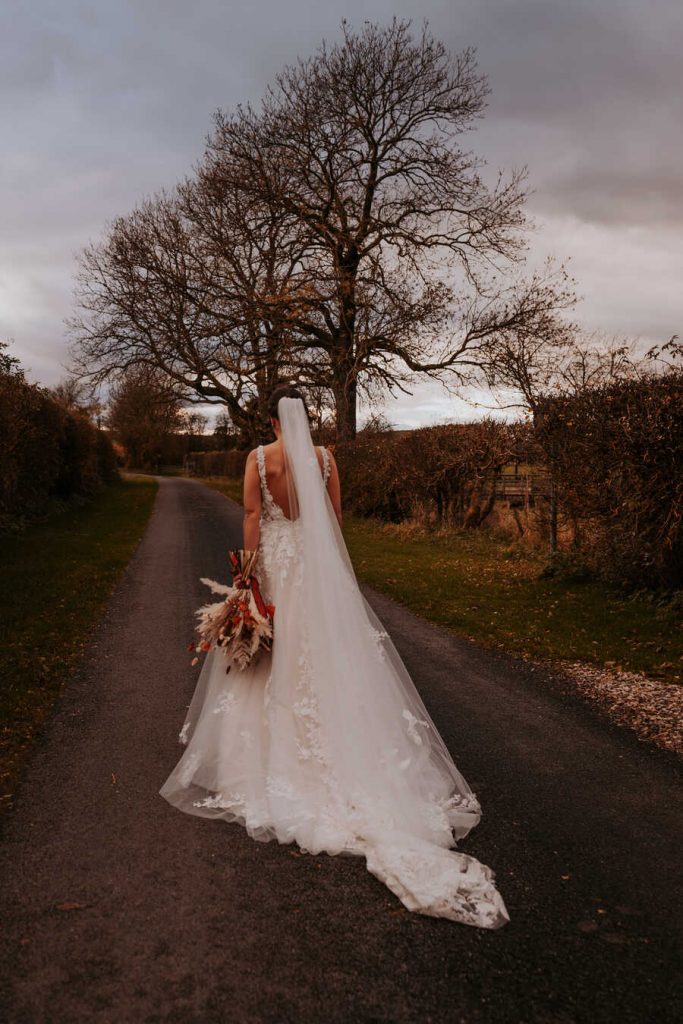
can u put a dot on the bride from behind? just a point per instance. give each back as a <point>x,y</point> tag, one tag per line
<point>325,741</point>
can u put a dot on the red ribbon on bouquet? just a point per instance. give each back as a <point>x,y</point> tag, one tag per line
<point>249,583</point>
<point>242,624</point>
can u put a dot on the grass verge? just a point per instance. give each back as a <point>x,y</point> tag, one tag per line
<point>230,488</point>
<point>55,580</point>
<point>491,592</point>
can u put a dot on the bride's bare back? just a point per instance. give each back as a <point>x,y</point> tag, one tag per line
<point>276,480</point>
<point>276,476</point>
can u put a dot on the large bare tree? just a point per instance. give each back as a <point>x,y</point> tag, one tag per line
<point>339,234</point>
<point>361,145</point>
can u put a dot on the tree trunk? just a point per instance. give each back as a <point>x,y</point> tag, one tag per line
<point>345,384</point>
<point>553,518</point>
<point>345,397</point>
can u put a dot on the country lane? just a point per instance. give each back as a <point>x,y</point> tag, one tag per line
<point>118,908</point>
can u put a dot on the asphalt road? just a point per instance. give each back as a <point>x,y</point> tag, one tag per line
<point>117,907</point>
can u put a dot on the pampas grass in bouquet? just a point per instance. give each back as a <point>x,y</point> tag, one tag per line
<point>241,625</point>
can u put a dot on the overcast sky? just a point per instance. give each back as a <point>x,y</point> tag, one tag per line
<point>104,102</point>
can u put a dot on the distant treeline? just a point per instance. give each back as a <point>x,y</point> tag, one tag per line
<point>47,451</point>
<point>604,472</point>
<point>227,463</point>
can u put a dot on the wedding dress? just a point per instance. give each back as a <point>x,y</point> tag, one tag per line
<point>325,742</point>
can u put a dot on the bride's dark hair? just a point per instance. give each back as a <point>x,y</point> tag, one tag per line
<point>283,391</point>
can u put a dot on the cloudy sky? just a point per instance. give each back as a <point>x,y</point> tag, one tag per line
<point>103,102</point>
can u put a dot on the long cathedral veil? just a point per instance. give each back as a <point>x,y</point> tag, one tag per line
<point>394,779</point>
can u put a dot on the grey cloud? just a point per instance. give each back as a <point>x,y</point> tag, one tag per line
<point>589,96</point>
<point>102,103</point>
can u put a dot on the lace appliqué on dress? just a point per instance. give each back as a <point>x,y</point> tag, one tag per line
<point>280,537</point>
<point>227,702</point>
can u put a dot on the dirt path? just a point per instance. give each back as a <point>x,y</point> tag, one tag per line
<point>116,907</point>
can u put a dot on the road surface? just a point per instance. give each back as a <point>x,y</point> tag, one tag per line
<point>118,908</point>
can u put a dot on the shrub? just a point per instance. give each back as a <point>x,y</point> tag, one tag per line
<point>446,474</point>
<point>616,458</point>
<point>46,450</point>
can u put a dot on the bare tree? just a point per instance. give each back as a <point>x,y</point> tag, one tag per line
<point>224,434</point>
<point>192,283</point>
<point>193,422</point>
<point>523,368</point>
<point>360,145</point>
<point>74,395</point>
<point>340,234</point>
<point>146,298</point>
<point>144,410</point>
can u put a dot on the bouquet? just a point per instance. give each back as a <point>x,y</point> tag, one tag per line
<point>241,625</point>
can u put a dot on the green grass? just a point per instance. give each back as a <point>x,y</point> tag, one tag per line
<point>491,591</point>
<point>55,580</point>
<point>230,488</point>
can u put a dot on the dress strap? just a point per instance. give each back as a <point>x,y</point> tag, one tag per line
<point>261,460</point>
<point>326,465</point>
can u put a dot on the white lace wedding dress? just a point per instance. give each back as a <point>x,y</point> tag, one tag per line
<point>332,748</point>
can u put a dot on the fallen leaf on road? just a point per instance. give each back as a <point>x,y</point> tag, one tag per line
<point>615,938</point>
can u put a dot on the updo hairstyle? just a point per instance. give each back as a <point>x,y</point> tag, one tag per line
<point>284,391</point>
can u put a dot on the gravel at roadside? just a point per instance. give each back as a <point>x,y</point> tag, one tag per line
<point>651,708</point>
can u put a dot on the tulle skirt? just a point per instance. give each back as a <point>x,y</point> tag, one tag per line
<point>325,743</point>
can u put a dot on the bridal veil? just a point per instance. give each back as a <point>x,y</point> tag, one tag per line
<point>394,788</point>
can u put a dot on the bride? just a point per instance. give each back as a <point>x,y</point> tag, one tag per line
<point>325,741</point>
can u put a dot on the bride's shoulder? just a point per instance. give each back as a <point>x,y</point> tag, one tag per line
<point>328,465</point>
<point>325,451</point>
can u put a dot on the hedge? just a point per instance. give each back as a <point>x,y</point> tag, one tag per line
<point>46,451</point>
<point>616,456</point>
<point>444,474</point>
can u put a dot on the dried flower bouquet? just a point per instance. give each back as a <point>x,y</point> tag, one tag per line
<point>241,625</point>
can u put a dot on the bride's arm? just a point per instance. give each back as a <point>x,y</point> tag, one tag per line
<point>252,503</point>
